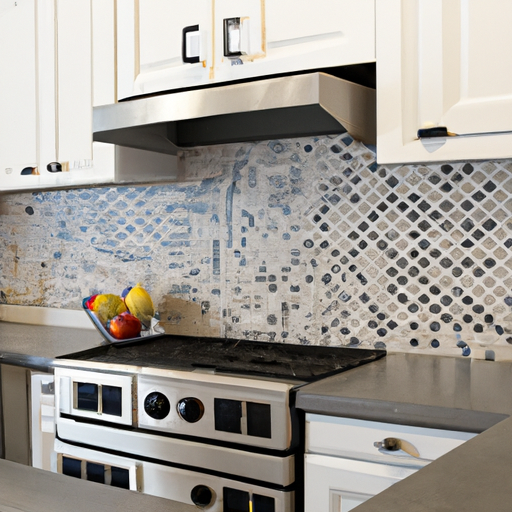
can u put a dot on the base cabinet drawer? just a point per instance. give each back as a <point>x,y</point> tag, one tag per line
<point>379,442</point>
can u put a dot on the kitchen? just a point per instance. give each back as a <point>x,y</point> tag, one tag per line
<point>309,240</point>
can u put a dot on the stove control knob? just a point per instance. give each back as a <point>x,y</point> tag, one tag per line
<point>201,496</point>
<point>157,405</point>
<point>190,409</point>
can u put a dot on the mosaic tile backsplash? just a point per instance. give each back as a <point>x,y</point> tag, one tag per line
<point>298,241</point>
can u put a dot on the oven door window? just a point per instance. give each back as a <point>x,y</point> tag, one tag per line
<point>87,396</point>
<point>96,472</point>
<point>246,418</point>
<point>111,399</point>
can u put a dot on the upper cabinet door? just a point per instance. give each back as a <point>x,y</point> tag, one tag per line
<point>165,46</point>
<point>282,36</point>
<point>153,37</point>
<point>443,63</point>
<point>19,102</point>
<point>46,85</point>
<point>74,78</point>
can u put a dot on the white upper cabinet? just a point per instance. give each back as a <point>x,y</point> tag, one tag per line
<point>58,61</point>
<point>443,63</point>
<point>282,36</point>
<point>18,82</point>
<point>166,45</point>
<point>153,36</point>
<point>46,85</point>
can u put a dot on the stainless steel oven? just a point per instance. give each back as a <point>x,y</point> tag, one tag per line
<point>202,421</point>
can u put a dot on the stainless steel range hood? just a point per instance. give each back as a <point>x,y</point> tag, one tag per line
<point>292,106</point>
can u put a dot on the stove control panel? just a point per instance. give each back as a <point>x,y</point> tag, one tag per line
<point>224,408</point>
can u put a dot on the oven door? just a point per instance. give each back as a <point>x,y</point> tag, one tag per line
<point>100,467</point>
<point>95,395</point>
<point>206,491</point>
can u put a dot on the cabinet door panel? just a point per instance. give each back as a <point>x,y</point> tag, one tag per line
<point>484,101</point>
<point>335,484</point>
<point>103,52</point>
<point>440,63</point>
<point>74,83</point>
<point>467,85</point>
<point>342,32</point>
<point>150,45</point>
<point>18,80</point>
<point>46,120</point>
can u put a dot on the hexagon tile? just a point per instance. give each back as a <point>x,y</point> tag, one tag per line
<point>299,241</point>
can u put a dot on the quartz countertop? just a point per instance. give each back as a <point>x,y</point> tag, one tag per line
<point>420,390</point>
<point>36,346</point>
<point>27,489</point>
<point>438,392</point>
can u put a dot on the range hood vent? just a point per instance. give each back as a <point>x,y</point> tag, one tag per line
<point>293,106</point>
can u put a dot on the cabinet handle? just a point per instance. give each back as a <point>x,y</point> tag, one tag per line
<point>28,171</point>
<point>436,131</point>
<point>393,444</point>
<point>192,59</point>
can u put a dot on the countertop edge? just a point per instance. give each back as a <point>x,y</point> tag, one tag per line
<point>36,363</point>
<point>399,413</point>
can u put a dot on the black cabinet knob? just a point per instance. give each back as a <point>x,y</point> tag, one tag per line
<point>201,496</point>
<point>157,405</point>
<point>191,409</point>
<point>54,167</point>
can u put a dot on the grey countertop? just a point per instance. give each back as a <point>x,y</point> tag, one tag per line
<point>35,346</point>
<point>27,489</point>
<point>420,390</point>
<point>439,392</point>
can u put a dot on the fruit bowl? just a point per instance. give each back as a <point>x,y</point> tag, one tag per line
<point>154,332</point>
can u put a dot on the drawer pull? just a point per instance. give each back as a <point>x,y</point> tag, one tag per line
<point>393,444</point>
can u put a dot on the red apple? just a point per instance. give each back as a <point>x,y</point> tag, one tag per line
<point>125,326</point>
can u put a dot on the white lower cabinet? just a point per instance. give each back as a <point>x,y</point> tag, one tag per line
<point>348,461</point>
<point>335,484</point>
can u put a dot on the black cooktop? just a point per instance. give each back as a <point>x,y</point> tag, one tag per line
<point>252,358</point>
